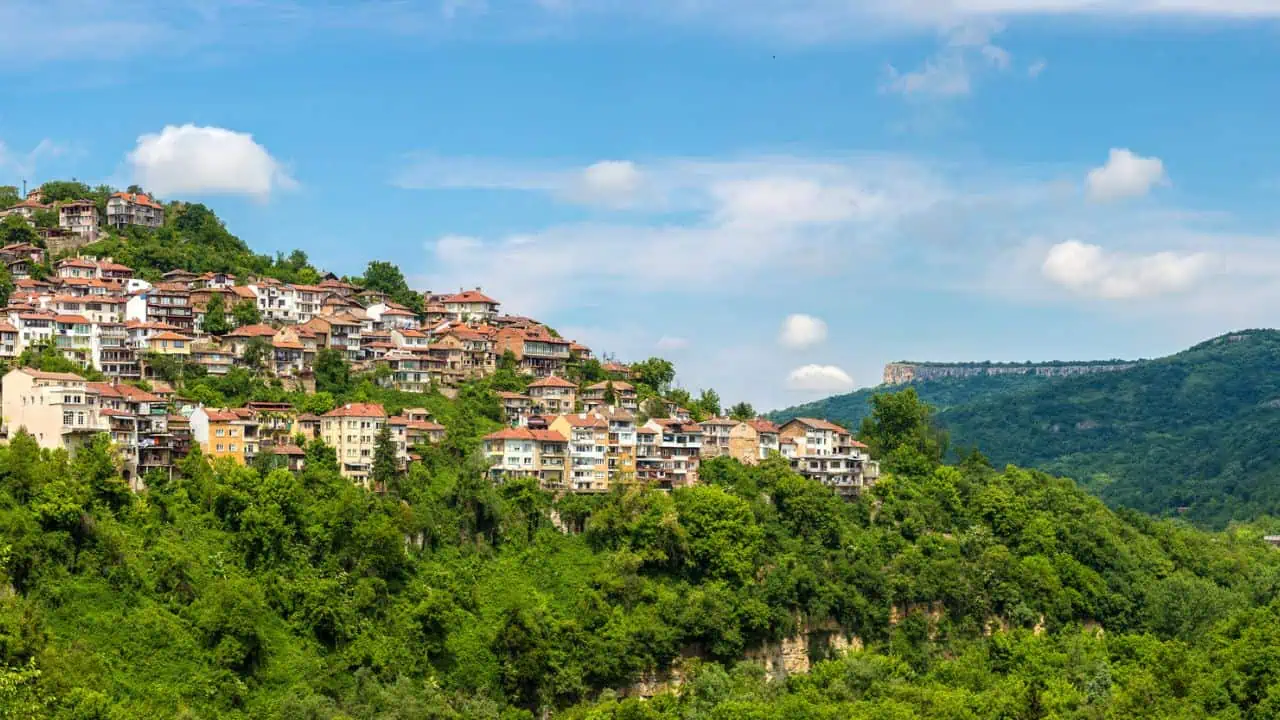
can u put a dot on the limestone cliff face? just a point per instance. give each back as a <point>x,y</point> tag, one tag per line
<point>903,372</point>
<point>792,655</point>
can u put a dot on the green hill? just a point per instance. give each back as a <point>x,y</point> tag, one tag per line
<point>230,592</point>
<point>1196,430</point>
<point>849,409</point>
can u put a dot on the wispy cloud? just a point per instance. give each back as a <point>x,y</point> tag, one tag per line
<point>25,163</point>
<point>966,52</point>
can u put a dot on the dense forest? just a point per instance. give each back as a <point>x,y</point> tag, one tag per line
<point>1190,434</point>
<point>233,592</point>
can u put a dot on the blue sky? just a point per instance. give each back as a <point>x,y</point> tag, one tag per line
<point>780,196</point>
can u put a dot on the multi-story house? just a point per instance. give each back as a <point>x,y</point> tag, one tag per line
<point>716,433</point>
<point>217,281</point>
<point>345,334</point>
<point>352,431</point>
<point>624,395</point>
<point>139,425</point>
<point>536,353</point>
<point>478,359</point>
<point>310,300</point>
<point>753,441</point>
<point>390,316</point>
<point>73,336</point>
<point>287,355</point>
<point>77,267</point>
<point>277,302</point>
<point>553,396</point>
<point>240,338</point>
<point>827,453</point>
<point>424,431</point>
<point>164,303</point>
<point>678,445</point>
<point>516,408</point>
<point>169,343</point>
<point>220,433</point>
<point>622,445</point>
<point>275,422</point>
<point>588,435</point>
<point>34,327</point>
<point>57,409</point>
<point>525,453</point>
<point>410,371</point>
<point>134,209</point>
<point>470,306</point>
<point>8,341</point>
<point>81,218</point>
<point>26,209</point>
<point>212,356</point>
<point>409,338</point>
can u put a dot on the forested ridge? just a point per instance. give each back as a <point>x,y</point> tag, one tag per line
<point>1191,434</point>
<point>976,592</point>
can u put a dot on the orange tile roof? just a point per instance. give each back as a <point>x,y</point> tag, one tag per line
<point>71,320</point>
<point>138,199</point>
<point>221,415</point>
<point>166,335</point>
<point>42,375</point>
<point>358,410</point>
<point>286,344</point>
<point>553,381</point>
<point>763,426</point>
<point>470,296</point>
<point>259,330</point>
<point>77,262</point>
<point>819,424</point>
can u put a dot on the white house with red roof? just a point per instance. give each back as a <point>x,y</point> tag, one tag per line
<point>470,306</point>
<point>134,209</point>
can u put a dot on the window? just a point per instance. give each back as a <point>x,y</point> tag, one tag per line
<point>221,432</point>
<point>233,447</point>
<point>68,418</point>
<point>220,447</point>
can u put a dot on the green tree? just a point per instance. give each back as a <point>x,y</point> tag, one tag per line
<point>610,396</point>
<point>709,403</point>
<point>742,411</point>
<point>902,425</point>
<point>333,373</point>
<point>9,196</point>
<point>215,320</point>
<point>13,229</point>
<point>257,354</point>
<point>386,462</point>
<point>655,372</point>
<point>386,277</point>
<point>6,286</point>
<point>55,191</point>
<point>246,312</point>
<point>45,218</point>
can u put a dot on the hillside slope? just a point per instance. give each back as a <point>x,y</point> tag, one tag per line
<point>1196,430</point>
<point>849,409</point>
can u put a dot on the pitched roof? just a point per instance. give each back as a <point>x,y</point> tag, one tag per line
<point>221,415</point>
<point>763,426</point>
<point>77,262</point>
<point>585,420</point>
<point>138,199</point>
<point>817,424</point>
<point>618,385</point>
<point>358,410</point>
<point>719,421</point>
<point>289,450</point>
<point>259,330</point>
<point>506,395</point>
<point>286,344</point>
<point>553,381</point>
<point>470,296</point>
<point>527,434</point>
<point>425,425</point>
<point>42,375</point>
<point>167,335</point>
<point>71,320</point>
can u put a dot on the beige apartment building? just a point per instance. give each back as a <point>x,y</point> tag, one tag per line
<point>553,396</point>
<point>588,435</point>
<point>352,431</point>
<point>59,409</point>
<point>525,453</point>
<point>825,452</point>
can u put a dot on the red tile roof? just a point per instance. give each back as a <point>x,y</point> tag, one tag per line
<point>289,450</point>
<point>77,262</point>
<point>259,330</point>
<point>553,381</point>
<point>358,410</point>
<point>166,335</point>
<point>221,415</point>
<point>763,426</point>
<point>138,199</point>
<point>817,424</point>
<point>42,375</point>
<point>470,296</point>
<point>71,320</point>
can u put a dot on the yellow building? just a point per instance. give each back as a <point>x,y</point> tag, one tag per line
<point>220,433</point>
<point>352,431</point>
<point>588,435</point>
<point>169,343</point>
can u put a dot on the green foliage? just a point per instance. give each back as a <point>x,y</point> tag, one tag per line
<point>333,372</point>
<point>742,412</point>
<point>9,196</point>
<point>246,312</point>
<point>655,373</point>
<point>45,218</point>
<point>13,229</point>
<point>901,431</point>
<point>6,286</point>
<point>55,191</point>
<point>48,358</point>
<point>386,277</point>
<point>215,321</point>
<point>386,464</point>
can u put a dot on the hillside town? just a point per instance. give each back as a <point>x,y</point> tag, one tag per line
<point>100,314</point>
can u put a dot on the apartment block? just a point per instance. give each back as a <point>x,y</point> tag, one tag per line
<point>553,396</point>
<point>825,452</point>
<point>58,409</point>
<point>525,453</point>
<point>352,431</point>
<point>134,209</point>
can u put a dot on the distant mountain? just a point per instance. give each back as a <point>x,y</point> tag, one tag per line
<point>1195,434</point>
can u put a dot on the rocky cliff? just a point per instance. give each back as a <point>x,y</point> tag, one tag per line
<point>904,372</point>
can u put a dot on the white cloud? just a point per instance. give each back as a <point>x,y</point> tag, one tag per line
<point>784,201</point>
<point>1035,69</point>
<point>1125,175</point>
<point>190,159</point>
<point>669,342</point>
<point>609,182</point>
<point>819,379</point>
<point>966,51</point>
<point>802,331</point>
<point>1091,271</point>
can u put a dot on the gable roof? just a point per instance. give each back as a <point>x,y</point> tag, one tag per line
<point>817,424</point>
<point>358,410</point>
<point>470,296</point>
<point>259,330</point>
<point>552,381</point>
